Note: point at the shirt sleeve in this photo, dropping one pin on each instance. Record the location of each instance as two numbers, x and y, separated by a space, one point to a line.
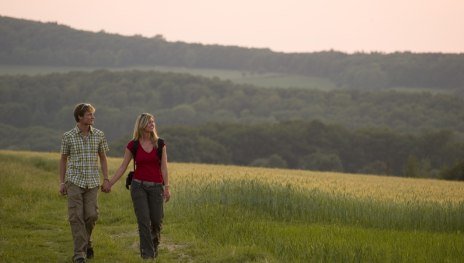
103 147
130 145
65 147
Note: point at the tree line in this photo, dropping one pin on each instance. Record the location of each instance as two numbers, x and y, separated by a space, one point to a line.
182 99
26 42
214 121
316 146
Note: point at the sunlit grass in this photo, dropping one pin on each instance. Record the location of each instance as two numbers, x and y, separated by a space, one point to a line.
379 188
240 214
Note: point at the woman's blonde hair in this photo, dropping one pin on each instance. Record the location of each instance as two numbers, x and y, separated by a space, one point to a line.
139 128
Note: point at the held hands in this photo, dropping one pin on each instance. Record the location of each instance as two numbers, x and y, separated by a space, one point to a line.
106 186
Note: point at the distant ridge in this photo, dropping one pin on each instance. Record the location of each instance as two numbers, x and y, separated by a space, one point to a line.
25 42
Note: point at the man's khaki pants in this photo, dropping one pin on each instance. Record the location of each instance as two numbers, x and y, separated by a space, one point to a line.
82 215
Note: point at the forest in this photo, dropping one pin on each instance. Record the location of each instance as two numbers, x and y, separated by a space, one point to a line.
396 114
213 121
26 42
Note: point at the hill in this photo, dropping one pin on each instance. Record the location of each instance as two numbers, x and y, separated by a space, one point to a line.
240 214
265 80
351 131
346 112
26 42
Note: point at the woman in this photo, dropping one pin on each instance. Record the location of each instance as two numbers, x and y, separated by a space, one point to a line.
150 184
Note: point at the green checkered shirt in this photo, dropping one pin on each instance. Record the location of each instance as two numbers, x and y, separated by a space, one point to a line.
82 152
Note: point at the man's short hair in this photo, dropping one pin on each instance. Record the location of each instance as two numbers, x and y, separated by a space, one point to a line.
81 109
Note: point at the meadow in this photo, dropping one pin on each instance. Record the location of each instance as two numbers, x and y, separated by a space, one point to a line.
272 80
240 214
258 79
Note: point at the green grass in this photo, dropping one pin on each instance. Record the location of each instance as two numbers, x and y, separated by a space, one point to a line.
283 224
214 217
267 79
272 80
433 90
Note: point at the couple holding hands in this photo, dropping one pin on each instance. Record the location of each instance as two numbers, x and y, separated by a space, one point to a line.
81 148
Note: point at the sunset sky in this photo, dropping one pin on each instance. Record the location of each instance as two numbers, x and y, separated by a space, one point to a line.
284 25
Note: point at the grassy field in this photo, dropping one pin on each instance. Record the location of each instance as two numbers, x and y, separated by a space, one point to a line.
266 80
239 214
271 80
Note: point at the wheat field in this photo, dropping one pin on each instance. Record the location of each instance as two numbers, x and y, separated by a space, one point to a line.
240 214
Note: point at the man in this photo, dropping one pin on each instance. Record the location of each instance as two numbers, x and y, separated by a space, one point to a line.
80 179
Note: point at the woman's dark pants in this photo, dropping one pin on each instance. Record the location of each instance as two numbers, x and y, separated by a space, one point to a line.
148 206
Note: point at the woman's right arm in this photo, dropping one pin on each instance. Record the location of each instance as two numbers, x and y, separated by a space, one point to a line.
122 168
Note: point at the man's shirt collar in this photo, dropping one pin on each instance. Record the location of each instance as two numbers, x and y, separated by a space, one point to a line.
78 131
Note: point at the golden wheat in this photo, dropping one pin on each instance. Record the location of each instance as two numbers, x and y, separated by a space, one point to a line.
380 188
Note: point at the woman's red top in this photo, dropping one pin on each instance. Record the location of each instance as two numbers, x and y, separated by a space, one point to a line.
147 165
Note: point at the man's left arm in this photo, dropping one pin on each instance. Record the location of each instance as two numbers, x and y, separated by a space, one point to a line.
104 165
102 149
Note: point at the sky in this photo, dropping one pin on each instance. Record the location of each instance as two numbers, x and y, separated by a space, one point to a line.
280 25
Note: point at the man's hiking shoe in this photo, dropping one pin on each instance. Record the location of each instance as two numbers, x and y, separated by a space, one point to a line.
79 260
90 252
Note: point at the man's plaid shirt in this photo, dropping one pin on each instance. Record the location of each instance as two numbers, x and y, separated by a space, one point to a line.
82 152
